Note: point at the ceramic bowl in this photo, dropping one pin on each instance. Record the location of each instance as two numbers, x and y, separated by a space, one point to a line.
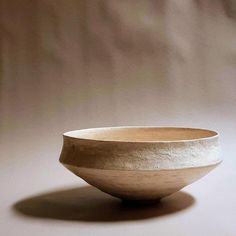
140 163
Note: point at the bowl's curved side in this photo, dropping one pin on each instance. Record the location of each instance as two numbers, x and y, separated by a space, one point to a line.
140 185
112 155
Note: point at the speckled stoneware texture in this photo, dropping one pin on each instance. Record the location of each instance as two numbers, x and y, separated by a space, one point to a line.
140 163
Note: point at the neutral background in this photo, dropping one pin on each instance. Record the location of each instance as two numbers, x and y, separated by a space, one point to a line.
71 64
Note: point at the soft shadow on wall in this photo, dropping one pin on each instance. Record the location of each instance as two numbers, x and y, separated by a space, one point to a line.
78 64
81 63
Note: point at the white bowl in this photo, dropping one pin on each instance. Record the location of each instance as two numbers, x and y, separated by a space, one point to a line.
140 163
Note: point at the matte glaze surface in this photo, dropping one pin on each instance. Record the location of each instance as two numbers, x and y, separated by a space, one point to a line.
140 163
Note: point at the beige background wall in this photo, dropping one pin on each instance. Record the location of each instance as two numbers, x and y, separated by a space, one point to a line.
81 63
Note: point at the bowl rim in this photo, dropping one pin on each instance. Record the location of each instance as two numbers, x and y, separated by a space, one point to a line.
70 134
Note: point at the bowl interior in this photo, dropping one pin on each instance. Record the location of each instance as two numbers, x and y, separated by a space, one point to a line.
142 134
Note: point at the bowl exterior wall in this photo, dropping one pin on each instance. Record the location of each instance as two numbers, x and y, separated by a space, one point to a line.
113 155
140 185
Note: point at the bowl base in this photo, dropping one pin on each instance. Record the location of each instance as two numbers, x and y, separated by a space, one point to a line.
130 203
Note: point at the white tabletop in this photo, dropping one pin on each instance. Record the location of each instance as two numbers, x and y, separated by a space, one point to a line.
40 197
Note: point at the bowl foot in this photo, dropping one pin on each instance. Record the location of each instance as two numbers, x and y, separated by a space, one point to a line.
129 202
